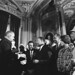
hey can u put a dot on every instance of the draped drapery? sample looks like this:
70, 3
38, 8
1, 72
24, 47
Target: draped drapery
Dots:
3, 22
14, 26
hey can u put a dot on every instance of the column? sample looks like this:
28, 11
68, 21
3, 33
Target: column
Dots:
20, 33
63, 26
29, 29
61, 20
58, 28
8, 24
24, 33
39, 28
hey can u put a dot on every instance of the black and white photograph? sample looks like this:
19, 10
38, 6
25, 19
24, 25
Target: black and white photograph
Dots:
37, 37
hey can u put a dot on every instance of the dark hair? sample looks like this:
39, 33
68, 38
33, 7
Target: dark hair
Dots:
51, 36
21, 48
66, 38
30, 42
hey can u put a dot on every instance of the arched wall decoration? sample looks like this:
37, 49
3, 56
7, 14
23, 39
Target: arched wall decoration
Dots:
69, 12
69, 5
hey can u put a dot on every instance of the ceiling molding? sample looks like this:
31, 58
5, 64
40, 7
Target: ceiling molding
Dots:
65, 2
48, 15
15, 3
10, 9
36, 4
17, 15
44, 6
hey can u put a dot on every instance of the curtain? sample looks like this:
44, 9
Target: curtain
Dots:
3, 22
14, 26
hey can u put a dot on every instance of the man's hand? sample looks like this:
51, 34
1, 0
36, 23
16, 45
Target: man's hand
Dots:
23, 62
36, 61
21, 55
13, 45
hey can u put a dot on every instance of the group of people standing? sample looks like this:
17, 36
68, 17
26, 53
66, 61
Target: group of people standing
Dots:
49, 55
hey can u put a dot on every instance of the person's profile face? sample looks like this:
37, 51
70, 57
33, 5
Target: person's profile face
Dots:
39, 42
72, 35
11, 36
56, 38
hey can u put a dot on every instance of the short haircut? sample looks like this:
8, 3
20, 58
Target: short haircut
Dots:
21, 47
30, 42
8, 32
66, 38
58, 35
41, 38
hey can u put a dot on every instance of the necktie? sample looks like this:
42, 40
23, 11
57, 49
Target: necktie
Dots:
31, 54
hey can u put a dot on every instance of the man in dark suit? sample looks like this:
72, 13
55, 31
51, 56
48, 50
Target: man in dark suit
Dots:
7, 54
44, 58
31, 56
